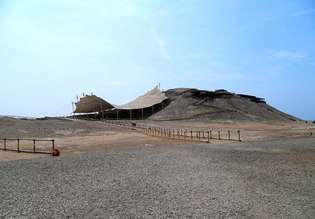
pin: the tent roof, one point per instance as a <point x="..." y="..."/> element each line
<point x="154" y="96"/>
<point x="91" y="103"/>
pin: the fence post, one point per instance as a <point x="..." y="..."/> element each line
<point x="219" y="135"/>
<point x="208" y="136"/>
<point x="53" y="144"/>
<point x="18" y="145"/>
<point x="191" y="134"/>
<point x="229" y="135"/>
<point x="239" y="135"/>
<point x="34" y="145"/>
<point x="5" y="144"/>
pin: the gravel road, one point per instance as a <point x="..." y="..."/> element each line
<point x="273" y="179"/>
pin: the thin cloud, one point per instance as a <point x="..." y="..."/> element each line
<point x="303" y="12"/>
<point x="294" y="14"/>
<point x="162" y="45"/>
<point x="286" y="55"/>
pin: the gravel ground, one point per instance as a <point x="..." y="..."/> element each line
<point x="273" y="179"/>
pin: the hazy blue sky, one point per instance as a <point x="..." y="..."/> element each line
<point x="53" y="50"/>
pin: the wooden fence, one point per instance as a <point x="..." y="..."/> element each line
<point x="181" y="134"/>
<point x="27" y="145"/>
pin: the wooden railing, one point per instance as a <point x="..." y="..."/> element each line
<point x="201" y="135"/>
<point x="32" y="146"/>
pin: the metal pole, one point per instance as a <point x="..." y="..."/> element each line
<point x="5" y="144"/>
<point x="219" y="135"/>
<point x="72" y="103"/>
<point x="229" y="135"/>
<point x="102" y="111"/>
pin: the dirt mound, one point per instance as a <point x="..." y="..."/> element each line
<point x="193" y="104"/>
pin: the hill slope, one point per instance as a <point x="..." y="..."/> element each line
<point x="193" y="104"/>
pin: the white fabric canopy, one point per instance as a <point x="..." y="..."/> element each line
<point x="149" y="99"/>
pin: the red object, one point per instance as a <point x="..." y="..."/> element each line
<point x="55" y="153"/>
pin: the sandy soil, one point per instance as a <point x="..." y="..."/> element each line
<point x="107" y="171"/>
<point x="250" y="131"/>
<point x="76" y="136"/>
<point x="262" y="179"/>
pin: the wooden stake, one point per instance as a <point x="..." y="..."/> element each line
<point x="239" y="135"/>
<point x="34" y="145"/>
<point x="208" y="136"/>
<point x="18" y="145"/>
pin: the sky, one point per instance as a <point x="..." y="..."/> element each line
<point x="53" y="50"/>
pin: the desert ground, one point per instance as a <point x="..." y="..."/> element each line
<point x="106" y="171"/>
<point x="76" y="136"/>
